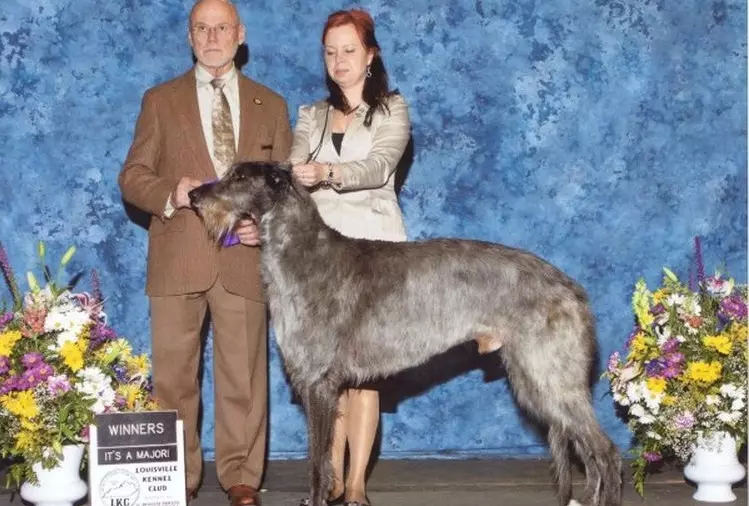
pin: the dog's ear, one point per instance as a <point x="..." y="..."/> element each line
<point x="278" y="176"/>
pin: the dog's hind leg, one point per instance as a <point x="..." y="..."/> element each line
<point x="559" y="445"/>
<point x="319" y="402"/>
<point x="553" y="390"/>
<point x="600" y="456"/>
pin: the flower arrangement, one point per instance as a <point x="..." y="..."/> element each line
<point x="685" y="369"/>
<point x="60" y="364"/>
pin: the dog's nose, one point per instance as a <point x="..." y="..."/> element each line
<point x="194" y="196"/>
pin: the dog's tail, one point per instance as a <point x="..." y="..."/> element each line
<point x="561" y="400"/>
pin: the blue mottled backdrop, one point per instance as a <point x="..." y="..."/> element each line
<point x="601" y="135"/>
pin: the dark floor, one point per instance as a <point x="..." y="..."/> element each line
<point x="448" y="483"/>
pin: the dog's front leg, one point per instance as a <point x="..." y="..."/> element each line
<point x="320" y="405"/>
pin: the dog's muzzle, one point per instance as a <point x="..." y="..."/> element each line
<point x="196" y="195"/>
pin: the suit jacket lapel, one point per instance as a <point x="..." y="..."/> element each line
<point x="186" y="102"/>
<point x="251" y="110"/>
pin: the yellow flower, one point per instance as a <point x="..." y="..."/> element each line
<point x="24" y="441"/>
<point x="138" y="364"/>
<point x="702" y="372"/>
<point x="669" y="400"/>
<point x="21" y="404"/>
<point x="72" y="355"/>
<point x="82" y="343"/>
<point x="738" y="332"/>
<point x="641" y="304"/>
<point x="660" y="295"/>
<point x="130" y="393"/>
<point x="639" y="347"/>
<point x="722" y="343"/>
<point x="656" y="385"/>
<point x="8" y="341"/>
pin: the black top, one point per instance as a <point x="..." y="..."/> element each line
<point x="337" y="141"/>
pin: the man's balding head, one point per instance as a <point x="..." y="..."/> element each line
<point x="215" y="34"/>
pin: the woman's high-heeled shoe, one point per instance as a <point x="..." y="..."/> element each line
<point x="338" y="501"/>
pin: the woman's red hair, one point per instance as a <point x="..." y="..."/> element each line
<point x="362" y="22"/>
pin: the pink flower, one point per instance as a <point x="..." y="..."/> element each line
<point x="651" y="456"/>
<point x="32" y="359"/>
<point x="58" y="385"/>
<point x="684" y="421"/>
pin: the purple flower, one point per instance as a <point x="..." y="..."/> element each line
<point x="4" y="365"/>
<point x="12" y="384"/>
<point x="84" y="434"/>
<point x="684" y="421"/>
<point x="57" y="385"/>
<point x="671" y="345"/>
<point x="32" y="359"/>
<point x="10" y="278"/>
<point x="31" y="378"/>
<point x="672" y="371"/>
<point x="100" y="334"/>
<point x="613" y="363"/>
<point x="651" y="456"/>
<point x="120" y="373"/>
<point x="698" y="259"/>
<point x="654" y="368"/>
<point x="734" y="307"/>
<point x="675" y="358"/>
<point x="44" y="370"/>
<point x="657" y="309"/>
<point x="635" y="330"/>
<point x="5" y="318"/>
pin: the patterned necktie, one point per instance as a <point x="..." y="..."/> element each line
<point x="223" y="133"/>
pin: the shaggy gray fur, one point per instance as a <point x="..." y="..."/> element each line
<point x="350" y="310"/>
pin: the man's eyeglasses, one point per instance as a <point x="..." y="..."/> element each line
<point x="222" y="30"/>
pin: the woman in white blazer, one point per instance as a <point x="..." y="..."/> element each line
<point x="346" y="149"/>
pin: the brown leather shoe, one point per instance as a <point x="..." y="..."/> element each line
<point x="243" y="495"/>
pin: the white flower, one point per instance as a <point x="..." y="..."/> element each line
<point x="663" y="333"/>
<point x="730" y="390"/>
<point x="634" y="391"/>
<point x="737" y="405"/>
<point x="647" y="419"/>
<point x="69" y="320"/>
<point x="681" y="338"/>
<point x="621" y="399"/>
<point x="98" y="386"/>
<point x="712" y="400"/>
<point x="725" y="417"/>
<point x="637" y="410"/>
<point x="653" y="401"/>
<point x="654" y="435"/>
<point x="693" y="307"/>
<point x="675" y="299"/>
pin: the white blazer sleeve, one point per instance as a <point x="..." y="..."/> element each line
<point x="389" y="143"/>
<point x="301" y="145"/>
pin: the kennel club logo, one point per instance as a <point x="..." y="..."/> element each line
<point x="120" y="487"/>
<point x="137" y="459"/>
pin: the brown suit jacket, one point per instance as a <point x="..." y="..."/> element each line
<point x="168" y="144"/>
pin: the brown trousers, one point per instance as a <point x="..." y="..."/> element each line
<point x="240" y="378"/>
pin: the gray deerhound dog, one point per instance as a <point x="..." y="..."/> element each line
<point x="349" y="310"/>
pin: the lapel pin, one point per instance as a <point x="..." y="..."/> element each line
<point x="258" y="101"/>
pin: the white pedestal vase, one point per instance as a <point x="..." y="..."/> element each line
<point x="714" y="467"/>
<point x="61" y="485"/>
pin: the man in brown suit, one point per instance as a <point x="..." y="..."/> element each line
<point x="189" y="131"/>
